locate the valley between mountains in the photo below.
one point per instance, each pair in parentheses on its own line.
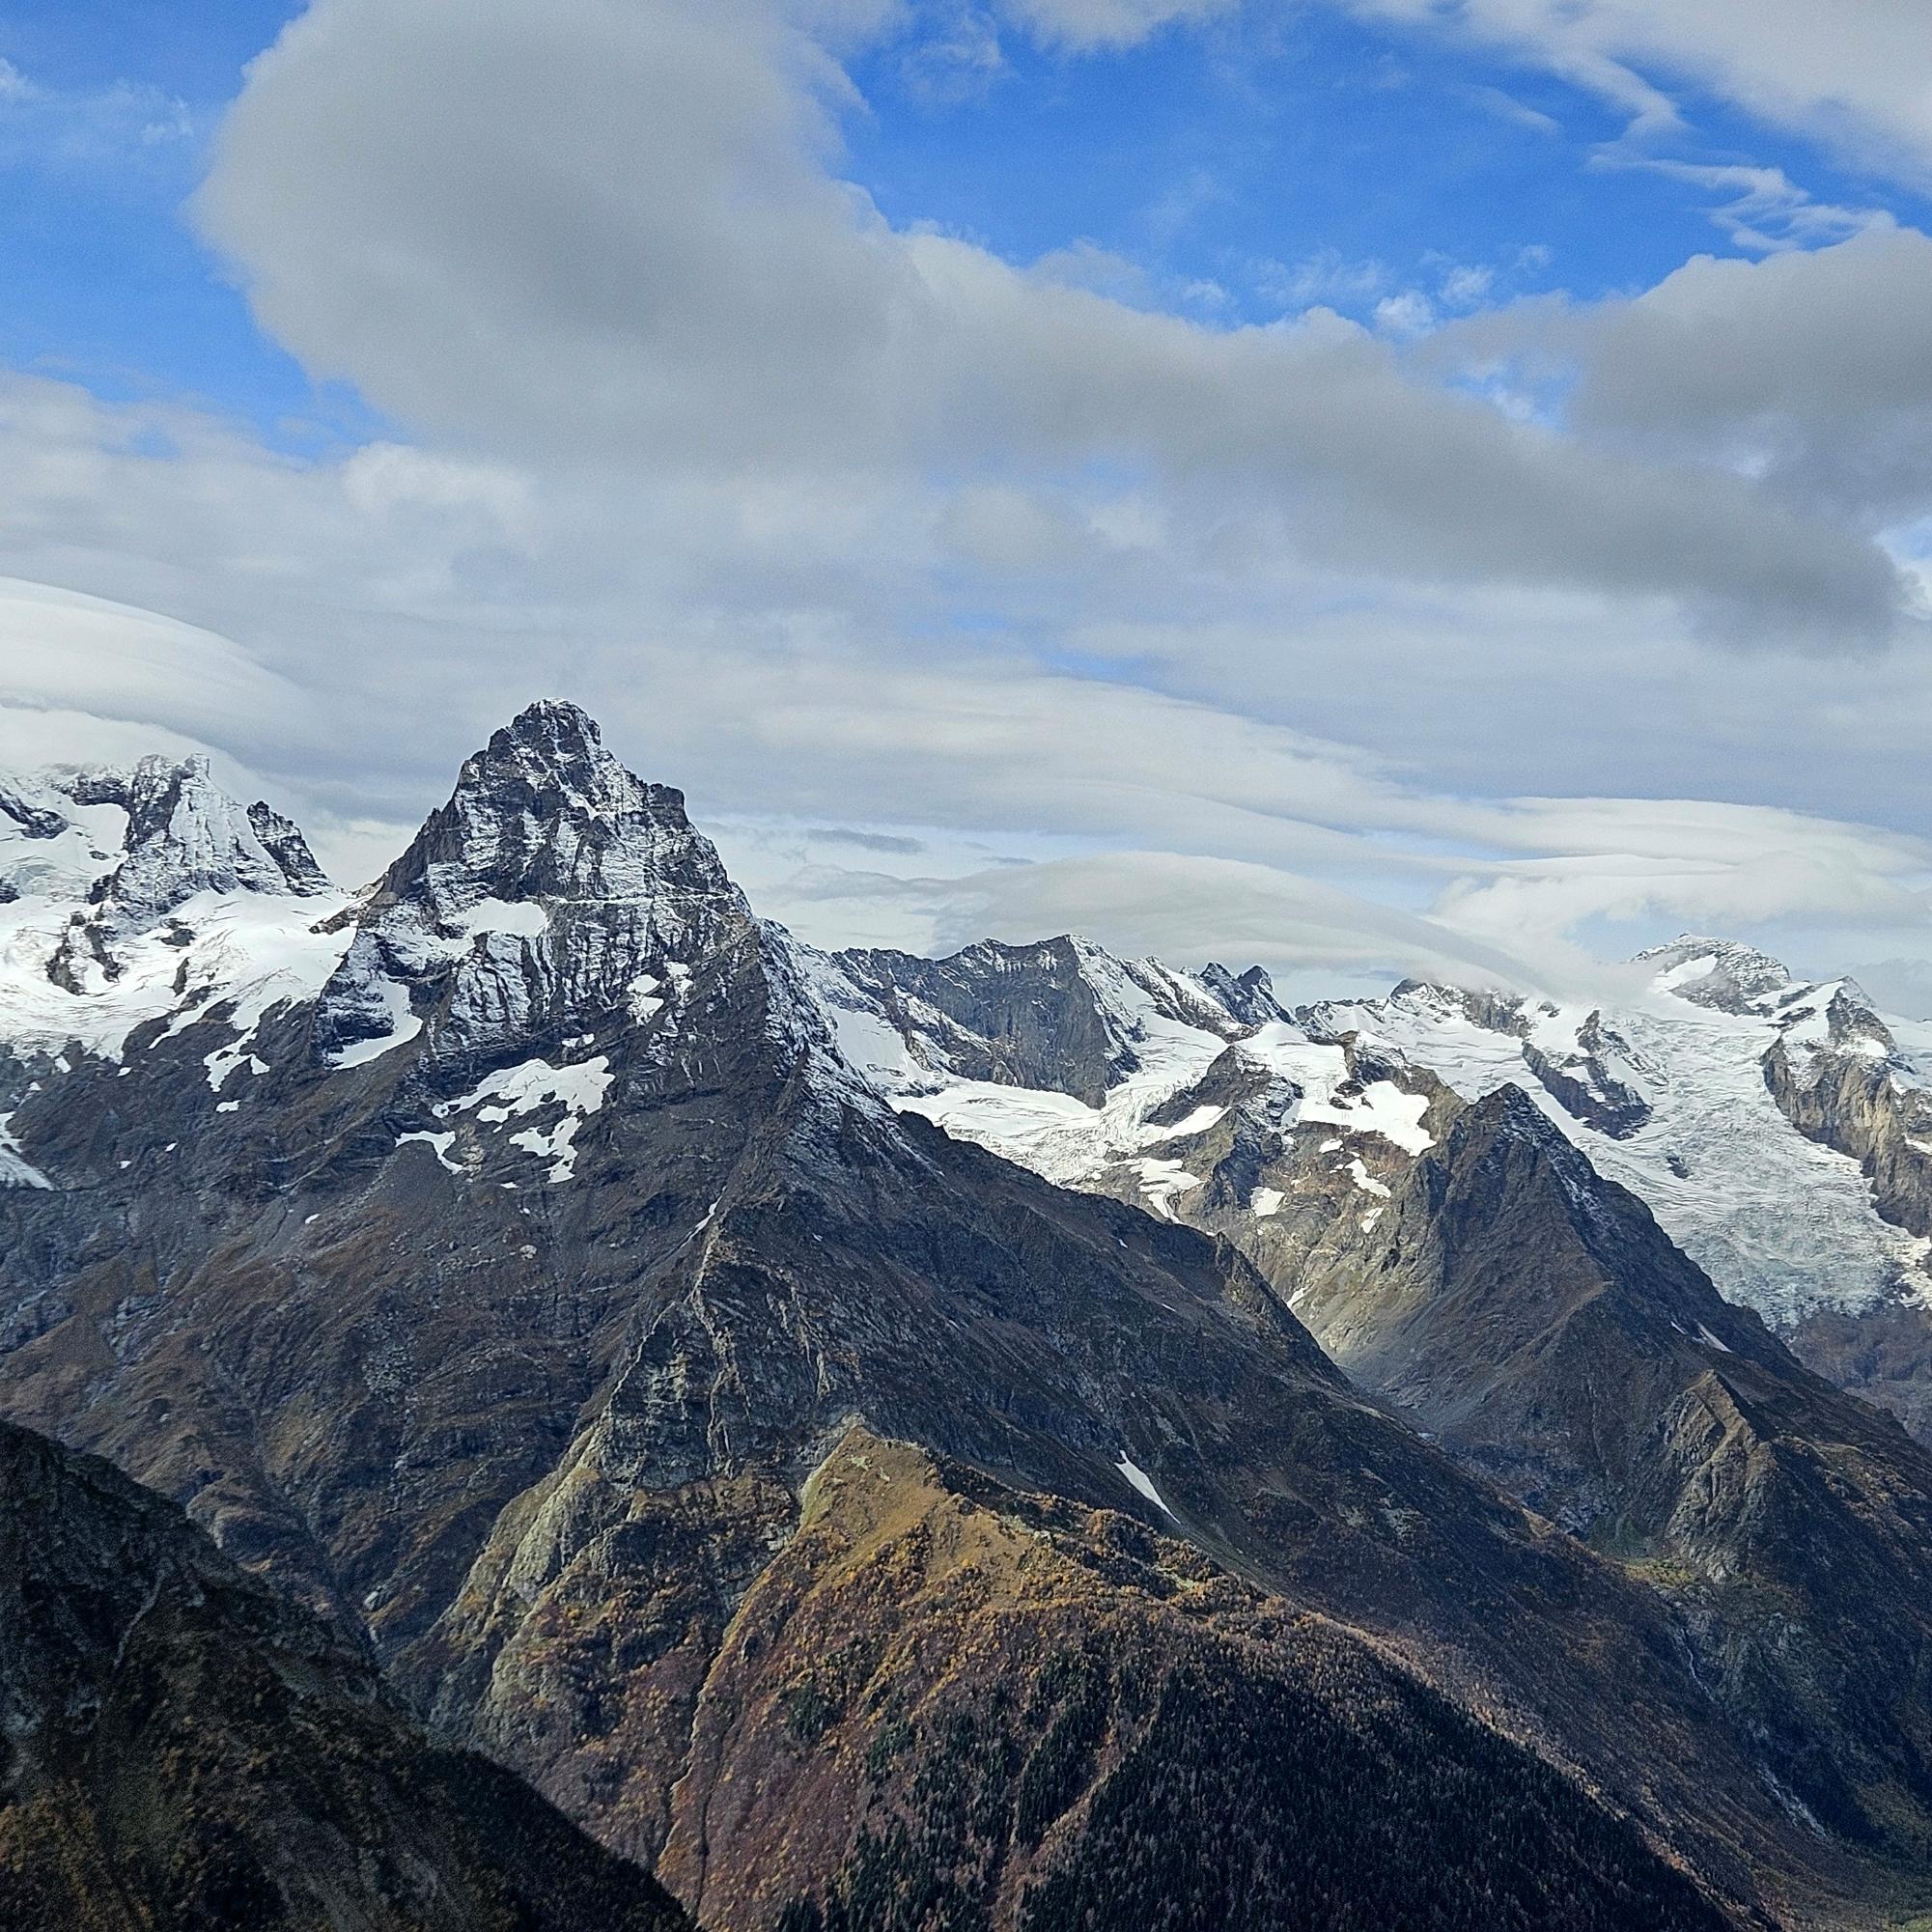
(533,1398)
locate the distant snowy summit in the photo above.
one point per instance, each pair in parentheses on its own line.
(1776,1126)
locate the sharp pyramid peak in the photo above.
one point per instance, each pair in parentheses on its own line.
(554,728)
(545,810)
(548,888)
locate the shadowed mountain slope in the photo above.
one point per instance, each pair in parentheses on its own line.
(185,1752)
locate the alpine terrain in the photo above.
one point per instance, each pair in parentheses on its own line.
(1025,1441)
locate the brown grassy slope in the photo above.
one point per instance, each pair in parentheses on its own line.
(948,1704)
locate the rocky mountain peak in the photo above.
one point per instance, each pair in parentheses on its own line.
(178,836)
(545,812)
(553,729)
(1721,973)
(1249,996)
(1508,1124)
(548,888)
(186,836)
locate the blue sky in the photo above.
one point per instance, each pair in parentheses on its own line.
(1245,171)
(1442,445)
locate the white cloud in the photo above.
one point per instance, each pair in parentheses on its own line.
(1270,844)
(1760,210)
(422,201)
(1327,276)
(1465,285)
(957,57)
(1852,74)
(861,528)
(68,129)
(85,655)
(32,738)
(1408,314)
(1810,371)
(1087,24)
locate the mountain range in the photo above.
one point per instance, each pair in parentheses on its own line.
(1026,1440)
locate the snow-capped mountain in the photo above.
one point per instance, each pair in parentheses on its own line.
(132,896)
(1099,1073)
(1704,1092)
(553,881)
(1775,1126)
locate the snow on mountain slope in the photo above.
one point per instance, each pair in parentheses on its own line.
(1154,1034)
(1138,1032)
(1779,1128)
(148,894)
(1669,1094)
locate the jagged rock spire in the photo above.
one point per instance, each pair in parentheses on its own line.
(552,882)
(184,836)
(1249,995)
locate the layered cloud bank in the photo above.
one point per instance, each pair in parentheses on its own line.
(1314,641)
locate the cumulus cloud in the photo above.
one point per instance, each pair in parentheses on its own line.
(1808,372)
(601,234)
(1813,370)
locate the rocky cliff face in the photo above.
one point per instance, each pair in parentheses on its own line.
(552,884)
(1061,1016)
(1847,1086)
(498,1281)
(180,1752)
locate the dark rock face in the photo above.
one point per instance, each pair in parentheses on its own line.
(1249,995)
(1023,1016)
(34,820)
(1852,1099)
(283,841)
(544,822)
(1587,1088)
(1534,1318)
(184,1752)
